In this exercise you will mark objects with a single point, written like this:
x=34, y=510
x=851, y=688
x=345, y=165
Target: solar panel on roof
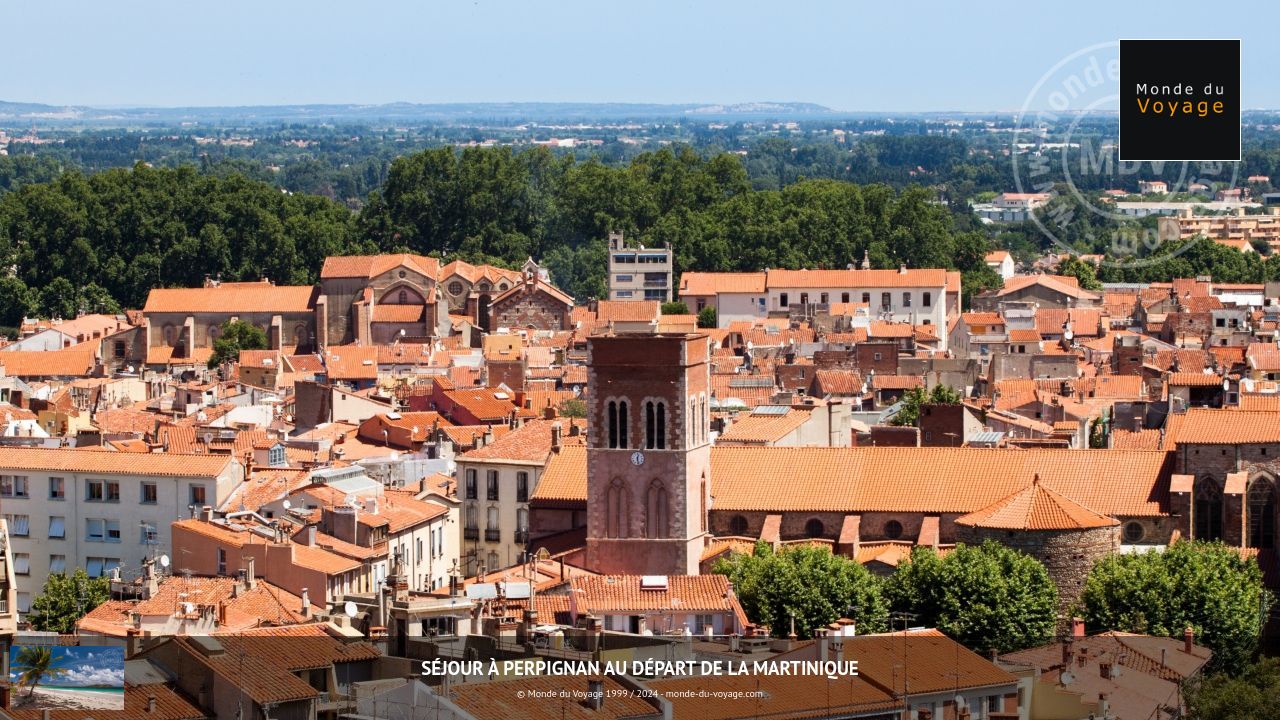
x=482, y=591
x=751, y=382
x=516, y=590
x=771, y=410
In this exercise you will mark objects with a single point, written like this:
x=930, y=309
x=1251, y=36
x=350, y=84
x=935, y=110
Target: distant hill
x=16, y=113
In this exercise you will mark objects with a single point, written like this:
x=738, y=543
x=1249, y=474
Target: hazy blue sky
x=850, y=56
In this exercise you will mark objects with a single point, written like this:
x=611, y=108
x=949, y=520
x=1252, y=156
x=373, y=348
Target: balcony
x=471, y=533
x=522, y=537
x=492, y=535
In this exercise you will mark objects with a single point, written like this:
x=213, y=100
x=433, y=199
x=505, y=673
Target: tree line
x=100, y=242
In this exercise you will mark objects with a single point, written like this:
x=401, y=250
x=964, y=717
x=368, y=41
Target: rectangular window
x=24, y=602
x=19, y=525
x=622, y=278
x=906, y=299
x=93, y=490
x=197, y=495
x=21, y=564
x=822, y=298
x=93, y=566
x=149, y=495
x=471, y=485
x=149, y=535
x=886, y=300
x=57, y=527
x=844, y=297
x=113, y=491
x=928, y=299
x=624, y=293
x=491, y=484
x=57, y=488
x=222, y=561
x=783, y=301
x=522, y=487
x=866, y=298
x=13, y=486
x=94, y=529
x=57, y=564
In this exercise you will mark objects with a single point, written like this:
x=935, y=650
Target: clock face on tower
x=637, y=458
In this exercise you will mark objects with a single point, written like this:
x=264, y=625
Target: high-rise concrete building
x=639, y=273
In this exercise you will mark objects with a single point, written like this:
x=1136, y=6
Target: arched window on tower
x=657, y=517
x=616, y=510
x=1208, y=509
x=655, y=425
x=611, y=419
x=1262, y=512
x=624, y=439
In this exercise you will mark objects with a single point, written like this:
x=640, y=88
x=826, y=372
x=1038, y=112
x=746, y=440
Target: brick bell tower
x=648, y=452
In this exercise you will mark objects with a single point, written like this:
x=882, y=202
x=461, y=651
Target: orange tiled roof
x=838, y=382
x=1065, y=285
x=886, y=479
x=762, y=429
x=247, y=297
x=1194, y=379
x=896, y=382
x=709, y=283
x=367, y=266
x=1135, y=440
x=482, y=403
x=83, y=461
x=75, y=361
x=927, y=277
x=531, y=442
x=1259, y=403
x=628, y=310
x=351, y=362
x=1209, y=426
x=605, y=594
x=1036, y=507
x=392, y=313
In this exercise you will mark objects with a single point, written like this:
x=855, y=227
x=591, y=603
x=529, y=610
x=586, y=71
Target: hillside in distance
x=18, y=114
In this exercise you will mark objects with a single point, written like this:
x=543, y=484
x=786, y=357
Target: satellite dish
x=164, y=561
x=286, y=504
x=1068, y=334
x=350, y=609
x=188, y=608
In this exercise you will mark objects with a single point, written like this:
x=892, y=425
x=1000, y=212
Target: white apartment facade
x=639, y=273
x=69, y=509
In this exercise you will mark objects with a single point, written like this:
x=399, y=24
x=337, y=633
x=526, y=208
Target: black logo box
x=1189, y=65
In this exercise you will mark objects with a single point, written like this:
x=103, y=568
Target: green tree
x=16, y=301
x=573, y=408
x=675, y=308
x=987, y=597
x=1208, y=587
x=66, y=598
x=34, y=663
x=59, y=299
x=236, y=335
x=1085, y=272
x=913, y=399
x=707, y=318
x=809, y=585
x=1252, y=695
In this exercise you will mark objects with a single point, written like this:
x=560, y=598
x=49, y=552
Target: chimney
x=1067, y=652
x=311, y=536
x=1077, y=627
x=373, y=506
x=595, y=693
x=820, y=635
x=206, y=513
x=151, y=704
x=555, y=437
x=222, y=617
x=250, y=580
x=1188, y=639
x=1104, y=707
x=549, y=412
x=902, y=269
x=306, y=604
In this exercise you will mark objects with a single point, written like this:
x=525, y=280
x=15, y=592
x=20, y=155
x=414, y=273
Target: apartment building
x=639, y=273
x=1235, y=229
x=69, y=509
x=497, y=481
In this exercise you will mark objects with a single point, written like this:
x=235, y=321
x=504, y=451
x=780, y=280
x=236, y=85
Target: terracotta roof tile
x=367, y=266
x=757, y=429
x=83, y=461
x=605, y=594
x=1140, y=440
x=707, y=283
x=232, y=298
x=886, y=479
x=351, y=362
x=75, y=361
x=1209, y=426
x=784, y=279
x=1036, y=507
x=531, y=442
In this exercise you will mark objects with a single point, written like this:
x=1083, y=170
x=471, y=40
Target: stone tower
x=648, y=452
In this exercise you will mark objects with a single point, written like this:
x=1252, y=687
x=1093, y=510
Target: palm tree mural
x=34, y=663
